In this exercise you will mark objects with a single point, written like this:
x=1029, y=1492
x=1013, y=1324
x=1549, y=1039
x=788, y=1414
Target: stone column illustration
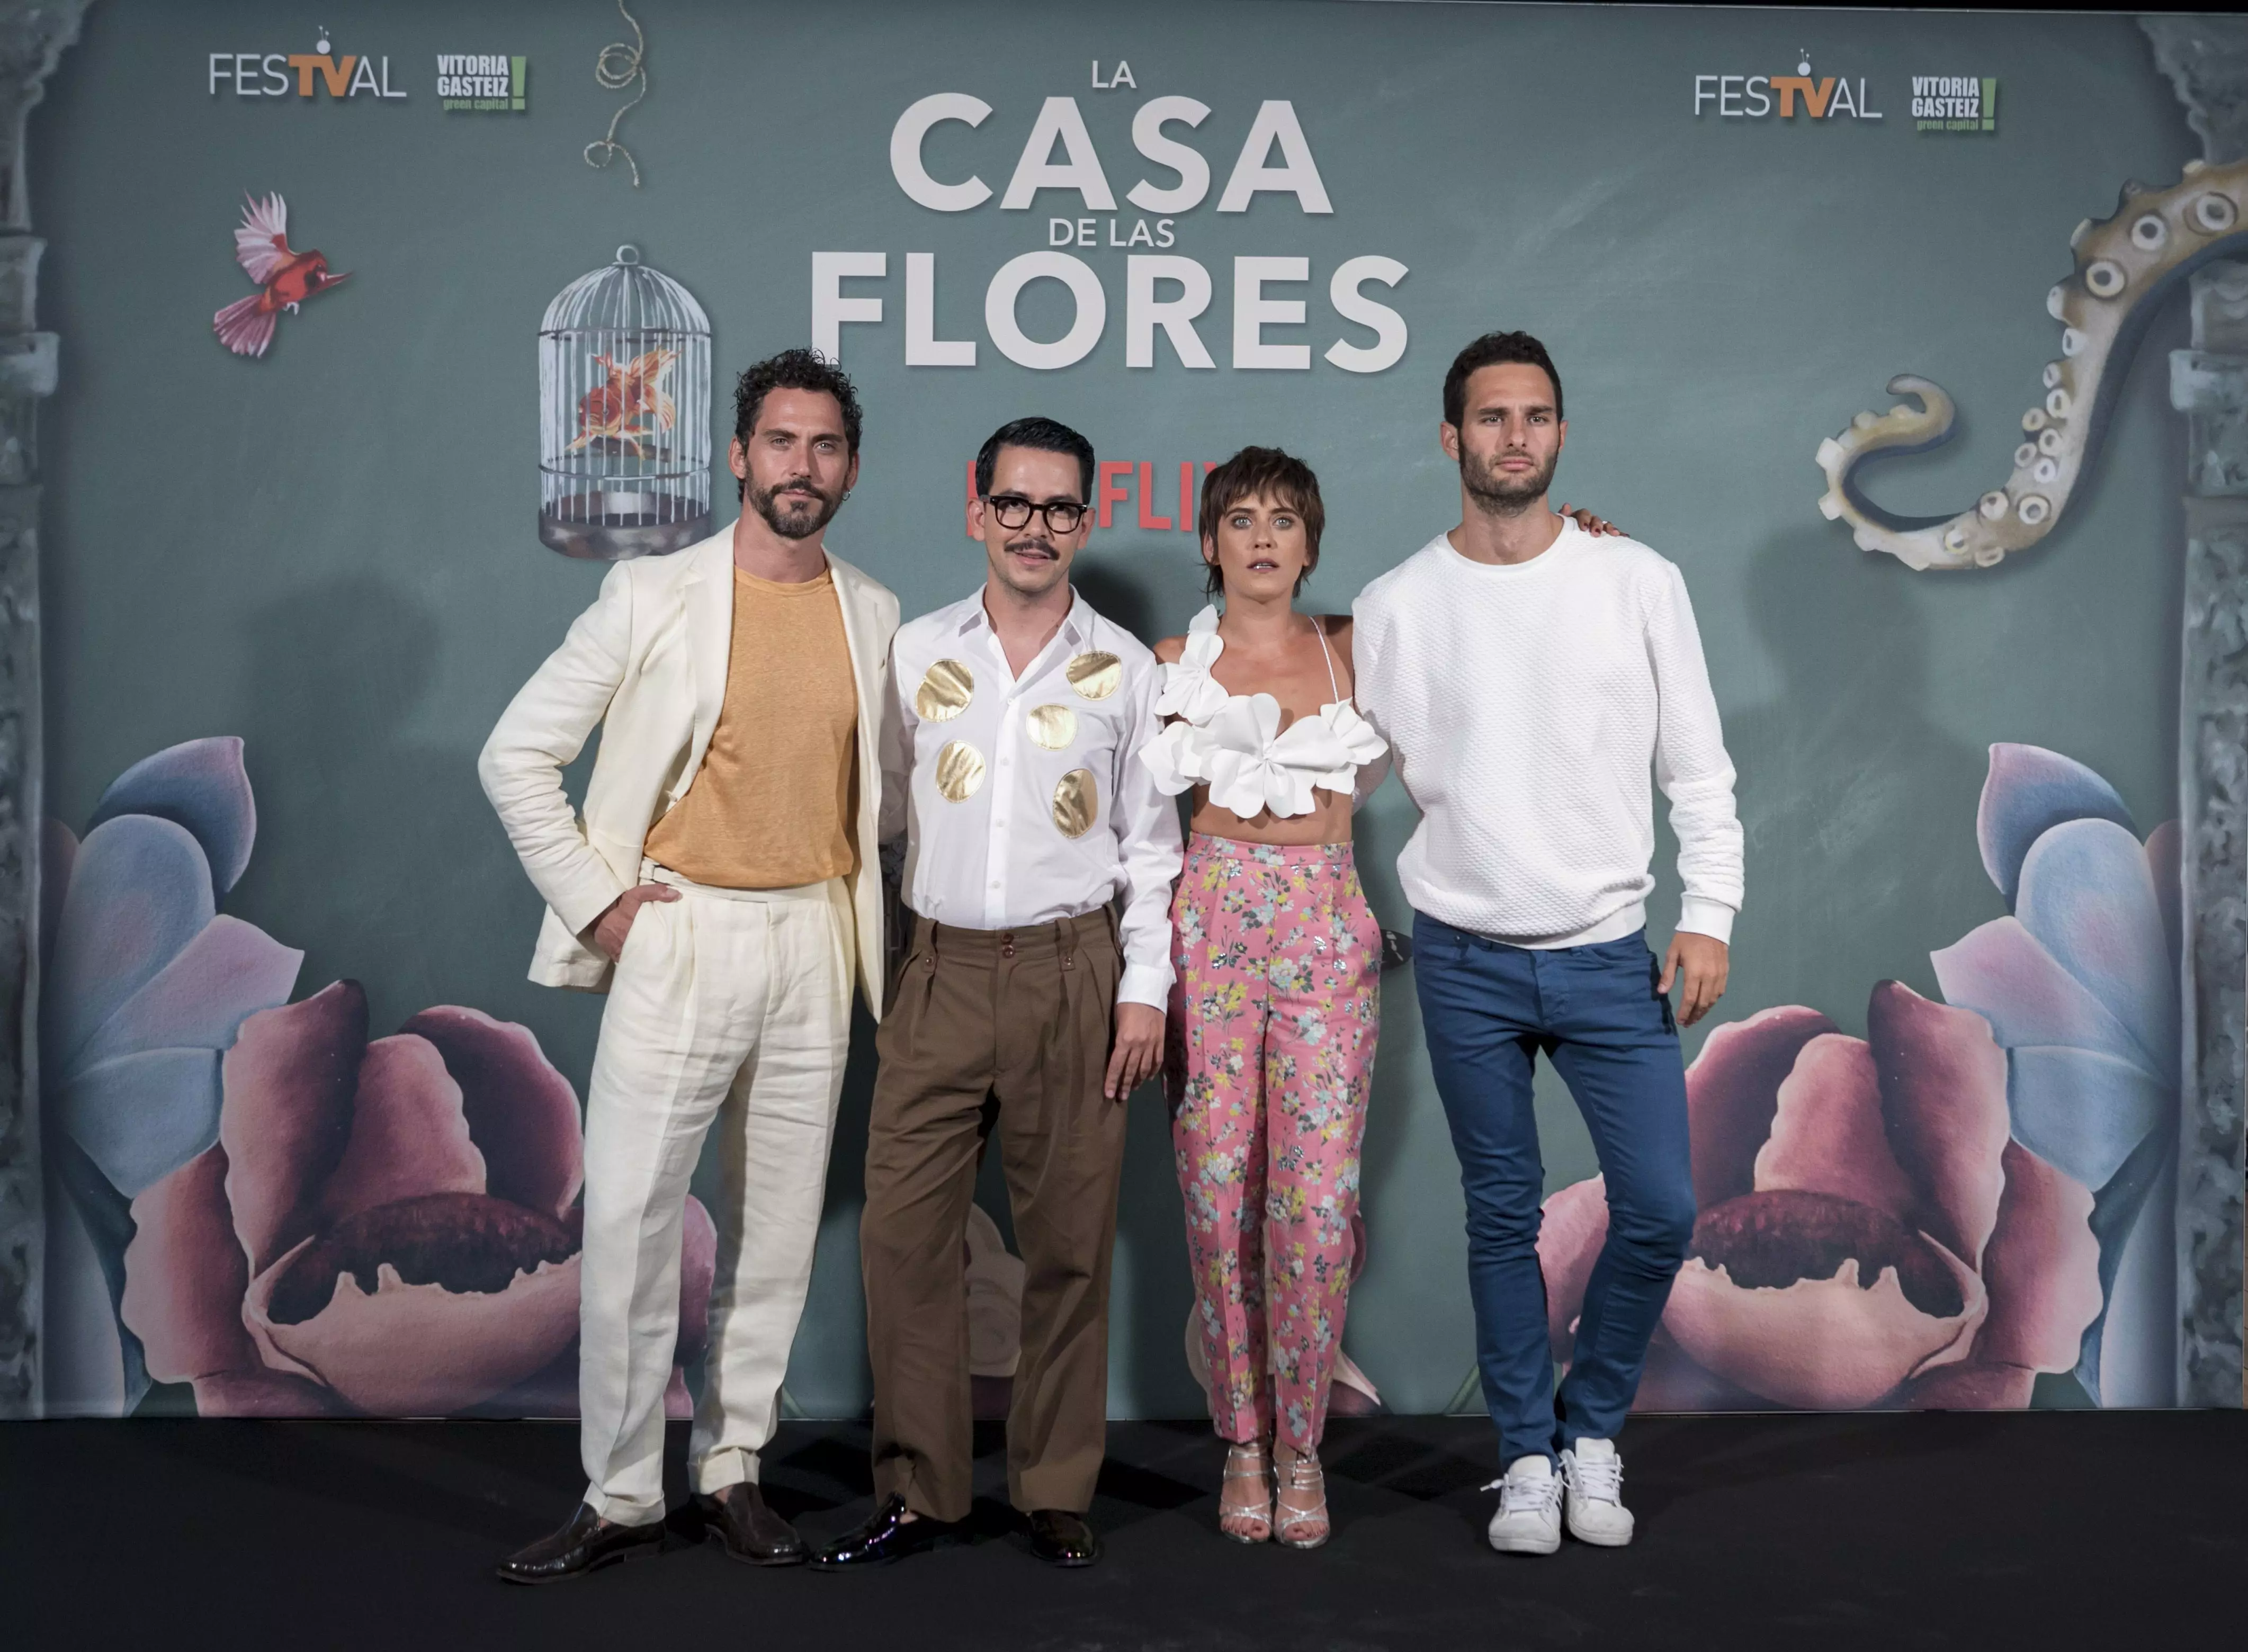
x=33, y=36
x=2206, y=60
x=2209, y=383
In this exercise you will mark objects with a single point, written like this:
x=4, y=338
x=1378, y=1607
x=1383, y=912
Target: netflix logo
x=1141, y=487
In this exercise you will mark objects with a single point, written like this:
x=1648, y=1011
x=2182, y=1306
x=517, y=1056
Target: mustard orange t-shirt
x=776, y=802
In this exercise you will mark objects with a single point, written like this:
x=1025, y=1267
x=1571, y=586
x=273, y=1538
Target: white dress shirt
x=1021, y=801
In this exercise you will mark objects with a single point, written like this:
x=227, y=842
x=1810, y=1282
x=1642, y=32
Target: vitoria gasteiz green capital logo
x=484, y=84
x=1954, y=103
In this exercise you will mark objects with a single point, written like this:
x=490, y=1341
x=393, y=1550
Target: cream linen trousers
x=731, y=1006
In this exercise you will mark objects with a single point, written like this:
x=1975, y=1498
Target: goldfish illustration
x=285, y=277
x=628, y=405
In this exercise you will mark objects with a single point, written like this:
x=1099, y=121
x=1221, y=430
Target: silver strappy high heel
x=1304, y=1474
x=1246, y=1462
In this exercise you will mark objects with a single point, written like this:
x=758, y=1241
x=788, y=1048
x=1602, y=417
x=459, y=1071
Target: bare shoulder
x=1170, y=650
x=1338, y=631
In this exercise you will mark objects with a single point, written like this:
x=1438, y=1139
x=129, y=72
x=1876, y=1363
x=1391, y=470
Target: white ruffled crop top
x=1233, y=742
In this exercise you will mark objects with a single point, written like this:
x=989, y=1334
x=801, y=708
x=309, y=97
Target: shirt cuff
x=1698, y=914
x=1147, y=984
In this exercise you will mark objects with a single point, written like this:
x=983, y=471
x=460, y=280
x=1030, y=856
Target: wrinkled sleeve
x=1691, y=765
x=1150, y=852
x=544, y=728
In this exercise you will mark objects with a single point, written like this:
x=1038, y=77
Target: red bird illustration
x=629, y=406
x=286, y=278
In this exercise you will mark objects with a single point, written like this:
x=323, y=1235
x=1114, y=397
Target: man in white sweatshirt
x=1529, y=676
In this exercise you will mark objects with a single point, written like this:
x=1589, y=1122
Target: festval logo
x=1954, y=103
x=485, y=85
x=1758, y=97
x=304, y=74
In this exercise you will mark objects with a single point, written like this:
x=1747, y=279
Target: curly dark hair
x=798, y=369
x=1281, y=476
x=1489, y=351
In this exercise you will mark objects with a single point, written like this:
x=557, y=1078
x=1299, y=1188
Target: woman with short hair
x=1273, y=1016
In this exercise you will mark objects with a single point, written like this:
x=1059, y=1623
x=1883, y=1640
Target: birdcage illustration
x=624, y=415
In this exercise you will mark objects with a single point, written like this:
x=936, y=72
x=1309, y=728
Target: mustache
x=1033, y=542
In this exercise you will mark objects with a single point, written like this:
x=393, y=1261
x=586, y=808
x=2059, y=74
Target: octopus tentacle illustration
x=2125, y=266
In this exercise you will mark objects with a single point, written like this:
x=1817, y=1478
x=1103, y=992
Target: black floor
x=2037, y=1531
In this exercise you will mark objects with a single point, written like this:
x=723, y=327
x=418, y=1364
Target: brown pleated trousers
x=1024, y=1016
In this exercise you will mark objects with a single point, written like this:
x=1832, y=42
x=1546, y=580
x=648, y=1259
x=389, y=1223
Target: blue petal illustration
x=145, y=1116
x=2162, y=848
x=108, y=1218
x=2028, y=793
x=57, y=853
x=2082, y=1111
x=197, y=1000
x=140, y=890
x=142, y=1117
x=201, y=786
x=2089, y=897
x=82, y=1354
x=2000, y=971
x=2115, y=1214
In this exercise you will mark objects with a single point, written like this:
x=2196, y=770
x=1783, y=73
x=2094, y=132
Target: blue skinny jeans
x=1487, y=1009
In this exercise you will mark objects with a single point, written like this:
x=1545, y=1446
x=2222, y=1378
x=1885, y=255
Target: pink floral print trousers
x=1270, y=1057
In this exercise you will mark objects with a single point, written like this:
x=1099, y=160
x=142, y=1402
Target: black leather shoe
x=738, y=1518
x=1059, y=1538
x=586, y=1543
x=886, y=1535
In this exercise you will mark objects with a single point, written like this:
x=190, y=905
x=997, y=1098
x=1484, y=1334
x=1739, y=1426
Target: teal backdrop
x=331, y=551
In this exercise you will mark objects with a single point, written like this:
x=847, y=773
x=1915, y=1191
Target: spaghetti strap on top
x=1334, y=686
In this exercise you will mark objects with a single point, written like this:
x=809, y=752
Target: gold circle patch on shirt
x=1052, y=726
x=959, y=772
x=1096, y=675
x=1077, y=803
x=945, y=691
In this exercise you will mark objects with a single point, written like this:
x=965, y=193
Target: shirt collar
x=1076, y=626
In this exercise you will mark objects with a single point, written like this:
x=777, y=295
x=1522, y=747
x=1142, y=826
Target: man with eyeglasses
x=1024, y=1004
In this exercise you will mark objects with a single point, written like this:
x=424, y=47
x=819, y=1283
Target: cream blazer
x=647, y=664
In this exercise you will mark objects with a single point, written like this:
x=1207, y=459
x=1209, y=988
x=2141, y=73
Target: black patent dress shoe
x=1059, y=1538
x=738, y=1518
x=586, y=1543
x=886, y=1535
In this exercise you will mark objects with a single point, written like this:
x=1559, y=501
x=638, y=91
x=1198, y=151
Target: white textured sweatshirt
x=1526, y=705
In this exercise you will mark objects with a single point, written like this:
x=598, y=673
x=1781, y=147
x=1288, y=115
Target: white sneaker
x=1594, y=1474
x=1529, y=1517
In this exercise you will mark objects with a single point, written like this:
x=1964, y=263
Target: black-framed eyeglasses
x=1015, y=511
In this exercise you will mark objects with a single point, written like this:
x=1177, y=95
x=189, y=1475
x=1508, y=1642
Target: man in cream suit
x=723, y=888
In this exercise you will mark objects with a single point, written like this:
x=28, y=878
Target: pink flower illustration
x=1869, y=1234
x=384, y=1226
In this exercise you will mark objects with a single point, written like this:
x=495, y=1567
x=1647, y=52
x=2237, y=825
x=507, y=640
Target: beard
x=795, y=509
x=1499, y=496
